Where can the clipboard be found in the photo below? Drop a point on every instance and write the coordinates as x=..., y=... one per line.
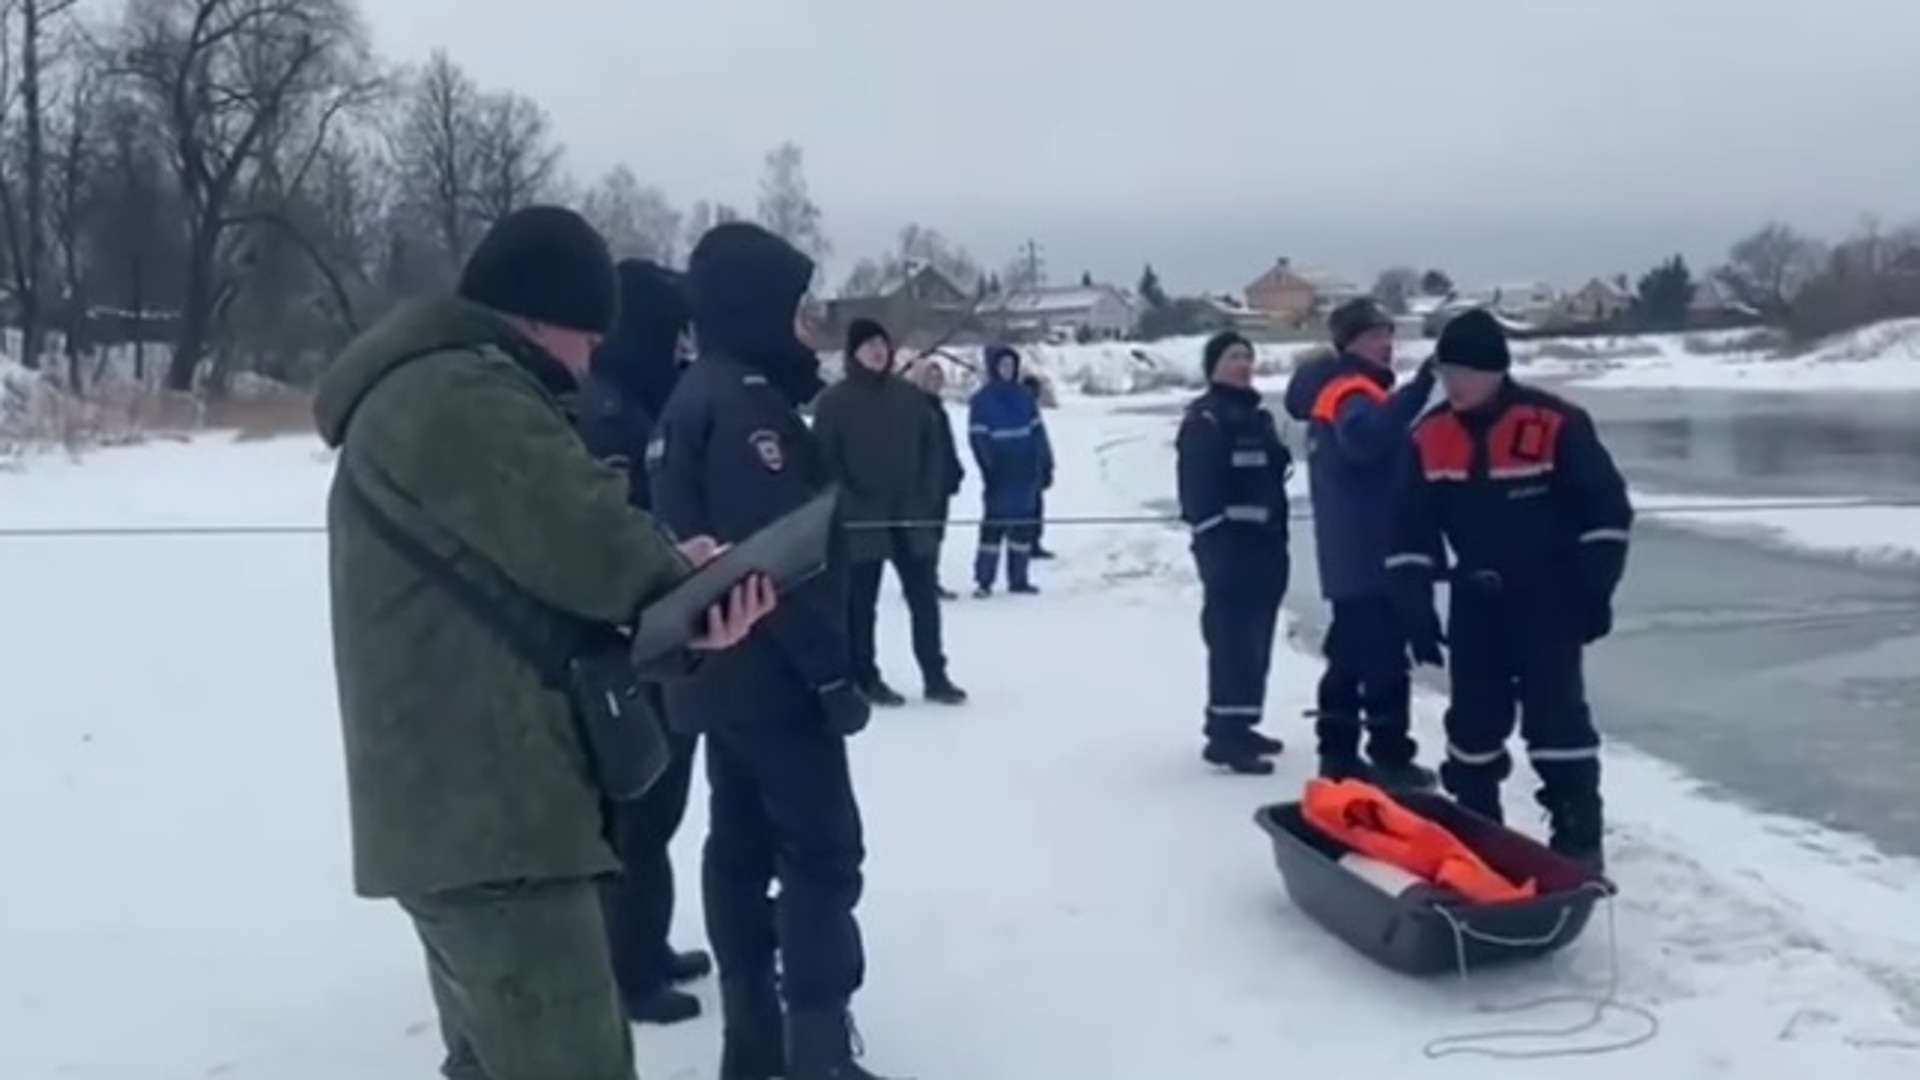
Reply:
x=787, y=551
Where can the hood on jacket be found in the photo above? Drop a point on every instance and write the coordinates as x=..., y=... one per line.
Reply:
x=1311, y=374
x=992, y=358
x=744, y=285
x=641, y=356
x=410, y=332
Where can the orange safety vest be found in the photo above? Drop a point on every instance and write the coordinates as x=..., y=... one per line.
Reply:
x=1366, y=820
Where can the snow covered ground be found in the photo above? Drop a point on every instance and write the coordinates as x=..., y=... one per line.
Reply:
x=1057, y=888
x=1884, y=357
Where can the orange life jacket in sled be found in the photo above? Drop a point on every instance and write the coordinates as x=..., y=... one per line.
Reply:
x=1368, y=821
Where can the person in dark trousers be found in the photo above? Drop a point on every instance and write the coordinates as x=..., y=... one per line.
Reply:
x=1358, y=427
x=473, y=800
x=1232, y=469
x=732, y=454
x=883, y=446
x=1011, y=449
x=1038, y=390
x=1516, y=481
x=930, y=378
x=634, y=370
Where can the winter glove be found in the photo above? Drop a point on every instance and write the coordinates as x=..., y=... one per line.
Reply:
x=846, y=708
x=1424, y=639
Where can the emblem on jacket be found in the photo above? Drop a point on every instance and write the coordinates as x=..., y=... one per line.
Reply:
x=766, y=443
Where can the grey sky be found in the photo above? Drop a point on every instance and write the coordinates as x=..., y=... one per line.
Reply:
x=1496, y=138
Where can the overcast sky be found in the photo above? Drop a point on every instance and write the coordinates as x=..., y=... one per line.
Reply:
x=1500, y=139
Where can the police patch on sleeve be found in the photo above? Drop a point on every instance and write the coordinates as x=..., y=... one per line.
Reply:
x=766, y=443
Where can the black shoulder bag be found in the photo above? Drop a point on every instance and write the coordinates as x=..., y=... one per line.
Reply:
x=626, y=745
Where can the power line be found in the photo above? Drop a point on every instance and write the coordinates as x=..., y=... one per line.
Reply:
x=1778, y=506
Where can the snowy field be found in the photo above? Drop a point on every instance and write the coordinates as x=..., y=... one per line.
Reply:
x=1058, y=889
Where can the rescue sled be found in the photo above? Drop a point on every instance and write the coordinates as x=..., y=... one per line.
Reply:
x=1422, y=929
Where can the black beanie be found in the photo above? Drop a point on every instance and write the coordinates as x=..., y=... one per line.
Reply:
x=1356, y=317
x=862, y=331
x=1473, y=339
x=1217, y=347
x=545, y=263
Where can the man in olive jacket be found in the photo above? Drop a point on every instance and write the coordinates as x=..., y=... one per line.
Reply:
x=883, y=446
x=470, y=793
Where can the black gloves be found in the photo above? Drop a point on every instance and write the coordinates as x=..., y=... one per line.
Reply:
x=847, y=709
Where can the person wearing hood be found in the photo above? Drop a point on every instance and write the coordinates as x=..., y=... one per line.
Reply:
x=732, y=455
x=1517, y=484
x=634, y=370
x=1358, y=428
x=883, y=447
x=464, y=504
x=1015, y=458
x=1232, y=469
x=932, y=380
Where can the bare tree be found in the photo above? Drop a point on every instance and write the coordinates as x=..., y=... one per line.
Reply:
x=516, y=161
x=704, y=215
x=786, y=205
x=1769, y=266
x=915, y=245
x=225, y=80
x=1395, y=287
x=435, y=147
x=636, y=219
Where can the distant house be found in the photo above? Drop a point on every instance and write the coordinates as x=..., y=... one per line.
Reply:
x=919, y=306
x=1601, y=300
x=1295, y=296
x=1713, y=305
x=1522, y=301
x=1074, y=312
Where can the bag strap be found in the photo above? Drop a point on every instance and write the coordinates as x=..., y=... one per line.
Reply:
x=547, y=656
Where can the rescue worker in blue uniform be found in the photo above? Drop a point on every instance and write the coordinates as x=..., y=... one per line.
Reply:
x=1516, y=481
x=1232, y=471
x=731, y=455
x=634, y=371
x=1010, y=445
x=1357, y=449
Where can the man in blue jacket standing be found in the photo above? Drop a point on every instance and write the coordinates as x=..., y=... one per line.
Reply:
x=1010, y=446
x=1358, y=444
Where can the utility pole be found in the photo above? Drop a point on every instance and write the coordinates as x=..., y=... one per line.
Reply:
x=1036, y=268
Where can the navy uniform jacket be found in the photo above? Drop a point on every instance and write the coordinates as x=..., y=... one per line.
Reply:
x=1233, y=470
x=1357, y=451
x=729, y=456
x=616, y=430
x=1522, y=490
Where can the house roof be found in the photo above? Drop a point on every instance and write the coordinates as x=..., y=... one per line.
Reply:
x=1322, y=281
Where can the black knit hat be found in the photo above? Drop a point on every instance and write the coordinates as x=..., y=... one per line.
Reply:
x=862, y=331
x=545, y=263
x=1473, y=339
x=1217, y=347
x=1354, y=318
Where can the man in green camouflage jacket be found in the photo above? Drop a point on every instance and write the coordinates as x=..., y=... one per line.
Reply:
x=471, y=798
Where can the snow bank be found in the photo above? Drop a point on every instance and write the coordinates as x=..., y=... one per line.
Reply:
x=1883, y=357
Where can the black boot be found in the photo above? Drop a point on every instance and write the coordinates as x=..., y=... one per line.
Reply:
x=752, y=1031
x=663, y=1006
x=822, y=1045
x=1237, y=755
x=1407, y=776
x=1265, y=745
x=1577, y=830
x=882, y=696
x=942, y=691
x=685, y=967
x=1344, y=765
